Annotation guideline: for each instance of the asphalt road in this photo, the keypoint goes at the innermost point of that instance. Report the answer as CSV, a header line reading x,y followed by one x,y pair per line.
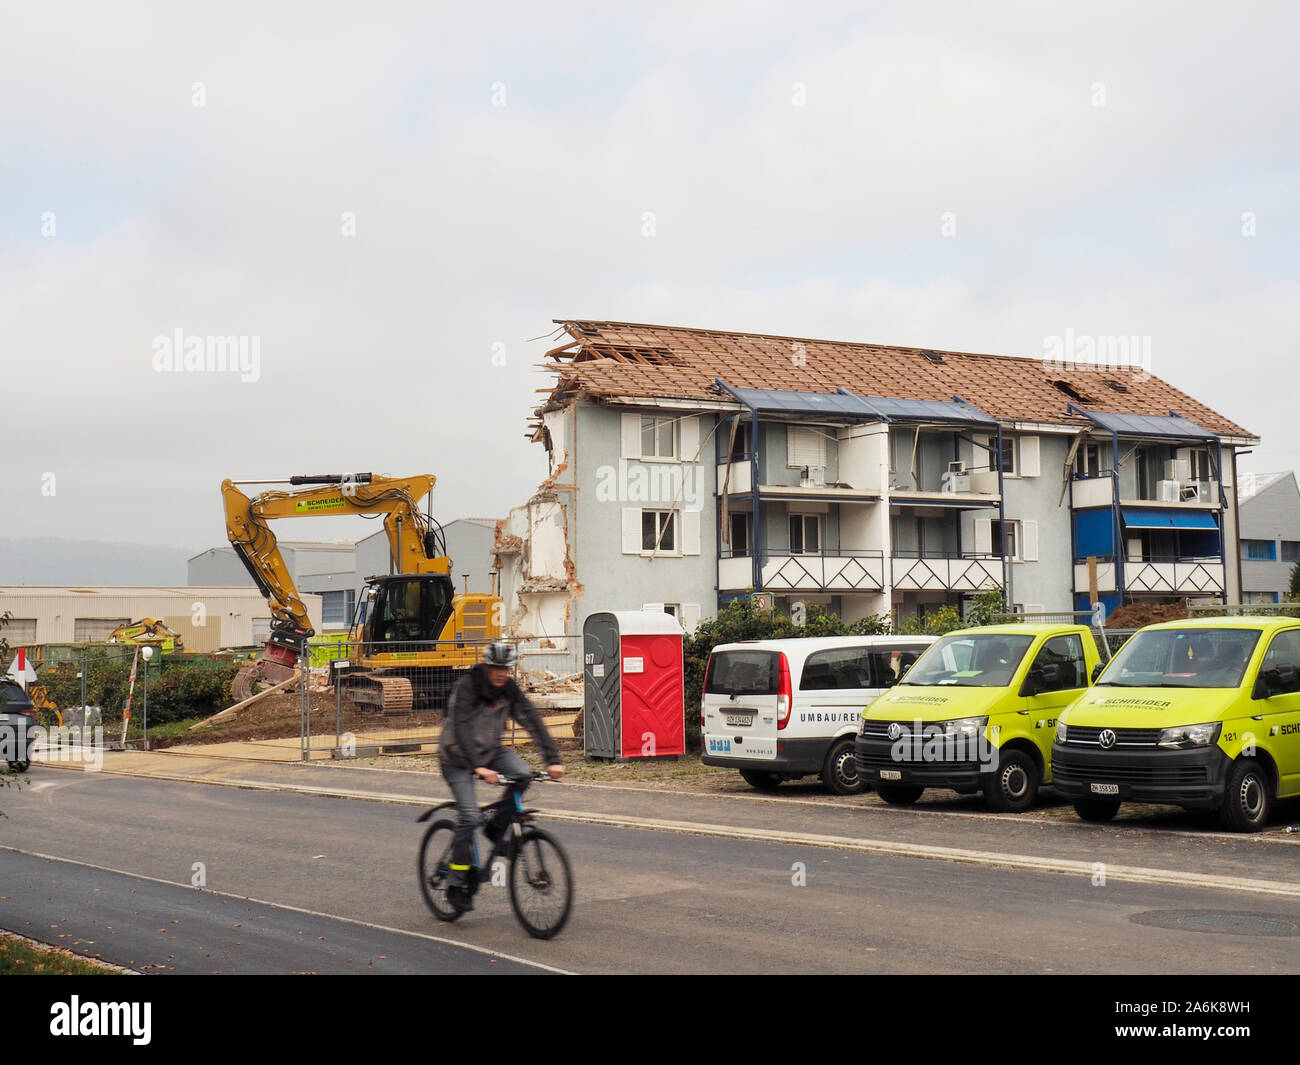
x,y
647,901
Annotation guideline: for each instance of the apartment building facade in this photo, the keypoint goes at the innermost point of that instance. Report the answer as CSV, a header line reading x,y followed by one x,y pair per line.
x,y
688,467
1270,535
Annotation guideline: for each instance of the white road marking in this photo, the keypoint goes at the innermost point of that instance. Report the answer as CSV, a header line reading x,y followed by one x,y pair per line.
x,y
296,909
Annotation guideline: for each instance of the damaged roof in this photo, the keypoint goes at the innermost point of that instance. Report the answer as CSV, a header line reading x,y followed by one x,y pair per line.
x,y
605,361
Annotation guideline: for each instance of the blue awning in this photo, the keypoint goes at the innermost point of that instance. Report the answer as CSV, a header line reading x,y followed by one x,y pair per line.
x,y
956,410
827,406
1146,426
1151,518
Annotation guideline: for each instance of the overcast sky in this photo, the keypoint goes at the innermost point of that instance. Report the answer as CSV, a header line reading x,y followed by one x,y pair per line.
x,y
1123,169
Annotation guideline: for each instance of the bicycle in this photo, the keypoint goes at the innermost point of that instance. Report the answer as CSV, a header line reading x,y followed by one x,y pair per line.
x,y
540,881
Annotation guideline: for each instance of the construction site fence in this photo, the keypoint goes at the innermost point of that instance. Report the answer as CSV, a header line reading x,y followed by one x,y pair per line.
x,y
88,685
370,697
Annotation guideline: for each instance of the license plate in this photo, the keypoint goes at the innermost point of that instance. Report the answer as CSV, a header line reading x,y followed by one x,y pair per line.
x,y
891,774
740,719
1105,789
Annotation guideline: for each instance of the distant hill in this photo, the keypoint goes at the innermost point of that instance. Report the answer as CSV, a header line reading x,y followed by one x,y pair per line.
x,y
51,561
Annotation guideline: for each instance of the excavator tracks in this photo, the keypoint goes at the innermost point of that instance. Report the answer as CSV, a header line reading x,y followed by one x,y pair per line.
x,y
388,695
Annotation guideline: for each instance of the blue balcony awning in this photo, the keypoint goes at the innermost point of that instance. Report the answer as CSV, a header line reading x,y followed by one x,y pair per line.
x,y
1159,518
826,406
957,410
1146,426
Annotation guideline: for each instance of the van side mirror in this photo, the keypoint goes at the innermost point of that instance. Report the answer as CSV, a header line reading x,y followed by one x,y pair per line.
x,y
1042,678
1275,681
1096,671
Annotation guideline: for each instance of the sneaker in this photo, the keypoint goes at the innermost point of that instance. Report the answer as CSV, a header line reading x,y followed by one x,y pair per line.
x,y
460,899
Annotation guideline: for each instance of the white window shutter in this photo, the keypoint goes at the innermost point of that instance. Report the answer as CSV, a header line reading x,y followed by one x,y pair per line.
x,y
690,532
631,437
981,457
690,438
631,530
804,447
690,617
983,536
1029,464
1029,541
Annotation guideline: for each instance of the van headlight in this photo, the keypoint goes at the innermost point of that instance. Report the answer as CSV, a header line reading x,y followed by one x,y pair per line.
x,y
862,723
1184,736
970,727
1060,731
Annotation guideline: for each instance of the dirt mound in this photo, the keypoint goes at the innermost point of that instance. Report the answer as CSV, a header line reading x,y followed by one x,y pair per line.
x,y
1136,615
279,716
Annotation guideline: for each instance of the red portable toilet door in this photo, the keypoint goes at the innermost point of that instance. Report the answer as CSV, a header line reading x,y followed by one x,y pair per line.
x,y
653,721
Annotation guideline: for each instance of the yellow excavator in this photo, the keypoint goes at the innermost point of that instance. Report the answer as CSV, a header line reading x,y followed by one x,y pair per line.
x,y
151,631
417,630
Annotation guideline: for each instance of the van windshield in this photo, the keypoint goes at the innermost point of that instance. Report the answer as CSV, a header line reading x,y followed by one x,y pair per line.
x,y
1182,658
742,673
978,660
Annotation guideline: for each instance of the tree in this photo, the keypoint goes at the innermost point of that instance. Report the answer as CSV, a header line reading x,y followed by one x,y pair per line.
x,y
1293,585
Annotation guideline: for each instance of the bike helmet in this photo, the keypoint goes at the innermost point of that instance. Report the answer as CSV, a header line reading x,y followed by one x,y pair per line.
x,y
500,654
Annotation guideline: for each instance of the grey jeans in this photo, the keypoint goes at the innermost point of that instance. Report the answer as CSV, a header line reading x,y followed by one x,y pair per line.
x,y
461,782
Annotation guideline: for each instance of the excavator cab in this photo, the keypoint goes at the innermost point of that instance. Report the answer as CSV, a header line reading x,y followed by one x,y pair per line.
x,y
407,609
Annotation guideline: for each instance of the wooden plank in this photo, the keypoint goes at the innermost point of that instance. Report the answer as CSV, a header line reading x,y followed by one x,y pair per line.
x,y
239,706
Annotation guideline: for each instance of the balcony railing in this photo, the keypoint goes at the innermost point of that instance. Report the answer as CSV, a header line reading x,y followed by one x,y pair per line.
x,y
829,570
1156,575
926,571
1098,492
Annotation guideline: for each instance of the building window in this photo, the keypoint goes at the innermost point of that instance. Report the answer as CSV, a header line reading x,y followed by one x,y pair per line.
x,y
338,607
658,437
739,524
1006,538
1200,465
659,530
1087,460
673,610
1290,550
740,445
1008,456
805,534
95,630
1259,550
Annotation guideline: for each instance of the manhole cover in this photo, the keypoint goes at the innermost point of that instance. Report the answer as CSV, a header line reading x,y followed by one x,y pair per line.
x,y
1233,922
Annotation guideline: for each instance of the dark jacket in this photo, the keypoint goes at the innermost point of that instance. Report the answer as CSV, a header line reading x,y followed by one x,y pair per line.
x,y
476,717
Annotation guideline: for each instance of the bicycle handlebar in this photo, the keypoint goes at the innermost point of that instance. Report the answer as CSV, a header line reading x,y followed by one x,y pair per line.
x,y
505,781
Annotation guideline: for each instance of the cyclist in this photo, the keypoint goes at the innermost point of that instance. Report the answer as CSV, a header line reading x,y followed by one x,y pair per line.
x,y
471,747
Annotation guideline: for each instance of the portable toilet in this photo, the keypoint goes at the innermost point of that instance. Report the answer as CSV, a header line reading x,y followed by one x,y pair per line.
x,y
634,685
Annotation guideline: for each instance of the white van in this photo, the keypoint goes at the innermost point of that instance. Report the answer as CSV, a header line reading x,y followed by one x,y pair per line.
x,y
782,709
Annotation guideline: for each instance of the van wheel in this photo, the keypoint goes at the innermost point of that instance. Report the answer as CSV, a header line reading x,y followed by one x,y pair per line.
x,y
1014,787
899,794
840,773
763,781
1097,810
1247,796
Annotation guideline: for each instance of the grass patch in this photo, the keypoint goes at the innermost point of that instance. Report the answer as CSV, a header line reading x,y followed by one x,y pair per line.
x,y
20,957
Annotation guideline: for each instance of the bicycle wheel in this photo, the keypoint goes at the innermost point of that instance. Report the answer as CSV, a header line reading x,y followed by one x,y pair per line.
x,y
435,871
541,885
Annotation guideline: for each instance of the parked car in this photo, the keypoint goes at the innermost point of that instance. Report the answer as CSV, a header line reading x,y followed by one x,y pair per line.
x,y
17,719
1203,714
782,709
977,712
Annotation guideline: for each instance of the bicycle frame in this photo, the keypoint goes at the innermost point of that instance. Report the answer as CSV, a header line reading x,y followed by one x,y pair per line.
x,y
504,845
